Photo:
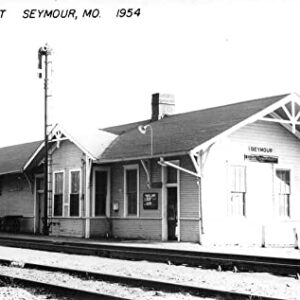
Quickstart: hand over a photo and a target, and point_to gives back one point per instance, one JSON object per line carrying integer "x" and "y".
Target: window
{"x": 40, "y": 184}
{"x": 131, "y": 190}
{"x": 283, "y": 192}
{"x": 236, "y": 205}
{"x": 58, "y": 194}
{"x": 171, "y": 175}
{"x": 100, "y": 192}
{"x": 74, "y": 193}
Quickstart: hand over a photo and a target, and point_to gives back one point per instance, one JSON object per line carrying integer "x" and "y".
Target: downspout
{"x": 200, "y": 153}
{"x": 88, "y": 164}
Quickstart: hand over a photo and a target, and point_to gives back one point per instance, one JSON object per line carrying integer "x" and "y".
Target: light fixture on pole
{"x": 143, "y": 129}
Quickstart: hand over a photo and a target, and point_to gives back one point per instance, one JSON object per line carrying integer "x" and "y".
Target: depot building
{"x": 223, "y": 175}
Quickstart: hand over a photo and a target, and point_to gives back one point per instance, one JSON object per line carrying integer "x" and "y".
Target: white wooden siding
{"x": 219, "y": 227}
{"x": 137, "y": 228}
{"x": 68, "y": 227}
{"x": 66, "y": 158}
{"x": 99, "y": 227}
{"x": 189, "y": 198}
{"x": 17, "y": 199}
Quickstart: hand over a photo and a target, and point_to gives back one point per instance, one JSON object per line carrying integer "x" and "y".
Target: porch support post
{"x": 88, "y": 164}
{"x": 164, "y": 206}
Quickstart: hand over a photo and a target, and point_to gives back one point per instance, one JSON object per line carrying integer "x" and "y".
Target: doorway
{"x": 260, "y": 191}
{"x": 172, "y": 212}
{"x": 40, "y": 204}
{"x": 101, "y": 192}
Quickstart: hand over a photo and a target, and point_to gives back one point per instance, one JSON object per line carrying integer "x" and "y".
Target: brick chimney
{"x": 162, "y": 105}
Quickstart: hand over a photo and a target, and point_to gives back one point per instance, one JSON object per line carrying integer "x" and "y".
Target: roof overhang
{"x": 122, "y": 159}
{"x": 295, "y": 116}
{"x": 12, "y": 172}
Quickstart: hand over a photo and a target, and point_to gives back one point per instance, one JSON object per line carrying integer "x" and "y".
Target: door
{"x": 172, "y": 213}
{"x": 40, "y": 216}
{"x": 259, "y": 200}
{"x": 100, "y": 192}
{"x": 40, "y": 204}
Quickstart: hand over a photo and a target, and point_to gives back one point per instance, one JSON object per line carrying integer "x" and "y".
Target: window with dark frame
{"x": 40, "y": 184}
{"x": 74, "y": 193}
{"x": 237, "y": 205}
{"x": 171, "y": 175}
{"x": 100, "y": 193}
{"x": 283, "y": 187}
{"x": 131, "y": 191}
{"x": 58, "y": 194}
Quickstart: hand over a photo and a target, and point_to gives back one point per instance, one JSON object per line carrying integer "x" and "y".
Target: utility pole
{"x": 45, "y": 52}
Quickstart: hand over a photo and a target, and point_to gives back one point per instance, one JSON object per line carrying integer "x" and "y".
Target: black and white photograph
{"x": 150, "y": 149}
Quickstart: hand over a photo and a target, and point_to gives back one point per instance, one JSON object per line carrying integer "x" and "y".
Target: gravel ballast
{"x": 254, "y": 283}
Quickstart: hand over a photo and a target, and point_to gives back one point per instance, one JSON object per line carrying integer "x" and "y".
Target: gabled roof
{"x": 92, "y": 142}
{"x": 13, "y": 158}
{"x": 180, "y": 133}
{"x": 174, "y": 135}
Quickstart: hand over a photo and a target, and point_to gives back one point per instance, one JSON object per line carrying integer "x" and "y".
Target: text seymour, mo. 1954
{"x": 72, "y": 13}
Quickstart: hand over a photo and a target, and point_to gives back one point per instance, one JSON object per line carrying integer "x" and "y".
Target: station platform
{"x": 282, "y": 252}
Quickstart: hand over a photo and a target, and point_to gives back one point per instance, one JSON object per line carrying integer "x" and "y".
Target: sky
{"x": 206, "y": 53}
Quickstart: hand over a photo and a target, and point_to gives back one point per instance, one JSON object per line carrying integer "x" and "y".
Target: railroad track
{"x": 124, "y": 280}
{"x": 274, "y": 265}
{"x": 58, "y": 290}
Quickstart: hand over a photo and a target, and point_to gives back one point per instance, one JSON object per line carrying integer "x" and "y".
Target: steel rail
{"x": 59, "y": 290}
{"x": 148, "y": 284}
{"x": 241, "y": 262}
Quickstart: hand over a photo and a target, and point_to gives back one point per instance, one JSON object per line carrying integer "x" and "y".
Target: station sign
{"x": 262, "y": 154}
{"x": 261, "y": 158}
{"x": 258, "y": 149}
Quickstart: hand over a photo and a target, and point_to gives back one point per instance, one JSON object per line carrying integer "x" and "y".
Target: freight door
{"x": 259, "y": 191}
{"x": 172, "y": 212}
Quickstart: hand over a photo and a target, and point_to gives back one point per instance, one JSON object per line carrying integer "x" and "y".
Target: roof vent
{"x": 162, "y": 105}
